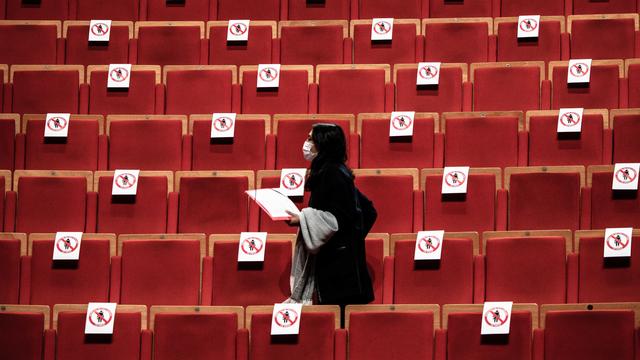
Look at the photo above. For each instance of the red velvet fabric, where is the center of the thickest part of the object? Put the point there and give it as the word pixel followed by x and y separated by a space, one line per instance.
pixel 611 209
pixel 169 45
pixel 456 42
pixel 140 98
pixel 400 50
pixel 291 97
pixel 83 281
pixel 2 200
pixel 161 10
pixel 50 204
pixel 539 201
pixel 79 152
pixel 7 142
pixel 449 283
pixel 383 335
pixel 602 92
pixel 10 268
pixel 238 285
pixel 249 9
pixel 125 10
pixel 547 147
pixel 147 215
pixel 481 141
pixel 475 212
pixel 41 10
pixel 133 144
pixel 247 151
pixel 351 91
pixel 213 205
pixel 375 257
pixel 626 132
pixel 315 341
pixel 581 7
pixel 465 342
pixel 22 336
pixel 28 44
pixel 602 39
pixel 495 88
pixel 392 196
pixel 547 47
pixel 447 96
pixel 634 85
pixel 399 9
pixel 196 336
pixel 299 45
pixel 73 344
pixel 542 7
pixel 257 50
pixel 325 10
pixel 198 91
pixel 279 227
pixel 79 51
pixel 600 281
pixel 452 9
pixel 44 91
pixel 589 335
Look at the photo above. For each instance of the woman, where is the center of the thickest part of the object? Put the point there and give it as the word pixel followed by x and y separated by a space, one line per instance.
pixel 330 252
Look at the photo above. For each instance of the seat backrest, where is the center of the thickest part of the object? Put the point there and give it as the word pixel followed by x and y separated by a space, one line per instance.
pixel 401 9
pixel 271 179
pixel 9 128
pixel 402 49
pixel 542 7
pixel 249 9
pixel 447 9
pixel 632 73
pixel 291 97
pixel 352 89
pixel 140 98
pixel 160 10
pixel 29 42
pixel 117 10
pixel 199 89
pixel 41 10
pixel 590 32
pixel 494 84
pixel 258 49
pixel 604 7
pixel 12 247
pixel 547 47
pixel 169 43
pixel 326 10
pixel 22 328
pixel 447 96
pixel 79 51
pixel 377 248
pixel 601 93
pixel 611 208
pixel 626 127
pixel 41 89
pixel 457 40
pixel 299 42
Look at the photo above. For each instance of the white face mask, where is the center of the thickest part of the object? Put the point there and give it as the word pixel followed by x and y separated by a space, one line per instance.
pixel 307 152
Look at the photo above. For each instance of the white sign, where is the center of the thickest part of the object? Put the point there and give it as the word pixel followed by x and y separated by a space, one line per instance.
pixel 252 246
pixel 56 125
pixel 238 30
pixel 617 242
pixel 285 319
pixel 429 245
pixel 292 181
pixel 579 71
pixel 66 246
pixel 382 29
pixel 496 318
pixel 268 76
pixel 223 125
pixel 625 176
pixel 401 123
pixel 119 76
pixel 528 26
pixel 455 179
pixel 100 30
pixel 428 73
pixel 125 182
pixel 100 318
pixel 570 120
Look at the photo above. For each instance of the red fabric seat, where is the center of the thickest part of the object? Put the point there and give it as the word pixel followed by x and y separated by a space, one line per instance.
pixel 604 7
pixel 494 84
pixel 632 73
pixel 170 43
pixel 259 49
pixel 325 10
pixel 22 328
pixel 547 47
pixel 79 51
pixel 41 10
pixel 377 249
pixel 161 10
pixel 271 179
pixel 446 97
pixel 602 92
pixel 543 7
pixel 610 208
pixel 590 32
pixel 12 247
pixel 452 9
pixel 399 9
pixel 144 95
pixel 39 89
pixel 9 127
pixel 249 9
pixel 291 97
pixel 23 42
pixel 299 42
pixel 460 41
pixel 402 49
pixel 200 89
pixel 117 10
pixel 352 89
pixel 626 128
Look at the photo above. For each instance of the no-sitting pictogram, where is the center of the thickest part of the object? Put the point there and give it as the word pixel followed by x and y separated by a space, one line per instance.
pixel 252 245
pixel 570 119
pixel 382 27
pixel 401 122
pixel 100 317
pixel 125 180
pixel 56 123
pixel 67 244
pixel 119 74
pixel 617 241
pixel 100 29
pixel 292 181
pixel 496 317
pixel 429 244
pixel 428 72
pixel 528 25
pixel 579 69
pixel 238 29
pixel 286 317
pixel 455 178
pixel 626 175
pixel 223 124
pixel 268 74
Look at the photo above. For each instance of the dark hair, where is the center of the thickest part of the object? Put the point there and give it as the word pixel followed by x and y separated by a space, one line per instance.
pixel 331 145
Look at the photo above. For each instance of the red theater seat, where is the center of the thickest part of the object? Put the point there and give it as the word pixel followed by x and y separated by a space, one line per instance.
pixel 9 128
pixel 603 92
pixel 299 42
pixel 626 128
pixel 293 96
pixel 454 9
pixel 5 186
pixel 23 329
pixel 41 89
pixel 354 89
pixel 170 43
pixel 377 249
pixel 406 46
pixel 271 179
pixel 249 9
pixel 548 46
pixel 459 40
pixel 201 89
pixel 509 86
pixel 82 52
pixel 162 10
pixel 401 9
pixel 145 94
pixel 542 7
pixel 29 42
pixel 12 247
pixel 632 73
pixel 609 208
pixel 604 7
pixel 324 10
pixel 40 10
pixel 453 93
pixel 259 49
pixel 118 10
pixel 603 36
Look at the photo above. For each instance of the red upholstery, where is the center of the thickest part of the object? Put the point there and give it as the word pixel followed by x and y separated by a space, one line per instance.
pixel 140 98
pixel 464 42
pixel 147 215
pixel 481 141
pixel 41 10
pixel 46 91
pixel 22 335
pixel 50 204
pixel 242 286
pixel 198 91
pixel 2 198
pixel 178 11
pixel 589 335
pixel 299 44
pixel 633 75
pixel 465 342
pixel 133 144
pixel 352 91
pixel 10 268
pixel 493 87
pixel 603 7
pixel 602 92
pixel 325 10
pixel 160 272
pixel 383 335
pixel 279 227
pixel 626 148
pixel 7 142
pixel 602 38
pixel 447 96
pixel 400 9
pixel 548 46
pixel 86 281
pixel 610 209
pixel 402 49
pixel 257 50
pixel 375 249
pixel 114 10
pixel 546 147
pixel 544 201
pixel 291 97
pixel 449 283
pixel 168 44
pixel 79 51
pixel 542 7
pixel 393 197
pixel 28 44
pixel 452 9
pixel 213 205
pixel 249 9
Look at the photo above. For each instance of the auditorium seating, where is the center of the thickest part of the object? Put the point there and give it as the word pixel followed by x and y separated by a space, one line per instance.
pixel 625 125
pixel 4 76
pixel 161 10
pixel 354 89
pixel 453 93
pixel 448 9
pixel 551 44
pixel 544 7
pixel 30 42
pixel 170 43
pixel 459 40
pixel 118 10
pixel 79 51
pixel 5 186
pixel 271 179
pixel 367 9
pixel 24 328
pixel 249 9
pixel 9 128
pixel 41 10
pixel 603 36
pixel 260 48
pixel 405 47
pixel 41 89
pixel 299 42
pixel 605 7
pixel 292 96
pixel 607 208
pixel 201 89
pixel 12 247
pixel 325 10
pixel 632 73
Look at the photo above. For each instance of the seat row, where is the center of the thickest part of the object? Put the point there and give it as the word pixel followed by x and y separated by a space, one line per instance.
pixel 553 332
pixel 543 267
pixel 292 42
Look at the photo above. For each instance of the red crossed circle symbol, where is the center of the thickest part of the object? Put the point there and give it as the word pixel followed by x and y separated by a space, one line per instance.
pixel 401 122
pixel 496 317
pixel 382 27
pixel 626 175
pixel 528 25
pixel 268 74
pixel 238 29
pixel 292 181
pixel 429 244
pixel 617 241
pixel 119 74
pixel 223 123
pixel 579 69
pixel 100 317
pixel 125 180
pixel 428 72
pixel 99 29
pixel 67 244
pixel 570 119
pixel 455 178
pixel 286 317
pixel 56 123
pixel 251 245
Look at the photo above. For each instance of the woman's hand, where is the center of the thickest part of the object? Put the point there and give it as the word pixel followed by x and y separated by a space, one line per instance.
pixel 294 220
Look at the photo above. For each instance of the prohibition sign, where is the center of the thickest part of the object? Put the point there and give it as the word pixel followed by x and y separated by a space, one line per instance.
pixel 56 123
pixel 237 29
pixel 528 25
pixel 428 72
pixel 119 74
pixel 570 119
pixel 455 179
pixel 382 27
pixel 617 241
pixel 401 122
pixel 67 244
pixel 496 317
pixel 100 29
pixel 579 69
pixel 429 244
pixel 100 317
pixel 292 181
pixel 286 318
pixel 125 181
pixel 268 74
pixel 251 246
pixel 626 175
pixel 223 124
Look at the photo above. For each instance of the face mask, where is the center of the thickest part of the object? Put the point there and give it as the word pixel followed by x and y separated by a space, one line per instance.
pixel 308 154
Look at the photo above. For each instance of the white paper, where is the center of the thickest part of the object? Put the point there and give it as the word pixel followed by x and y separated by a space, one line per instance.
pixel 238 30
pixel 429 245
pixel 381 29
pixel 125 182
pixel 252 246
pixel 617 242
pixel 268 76
pixel 100 318
pixel 66 246
pixel 579 71
pixel 119 76
pixel 496 318
pixel 292 181
pixel 223 125
pixel 285 319
pixel 570 120
pixel 455 180
pixel 56 125
pixel 428 73
pixel 528 26
pixel 274 203
pixel 100 30
pixel 625 176
pixel 401 123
